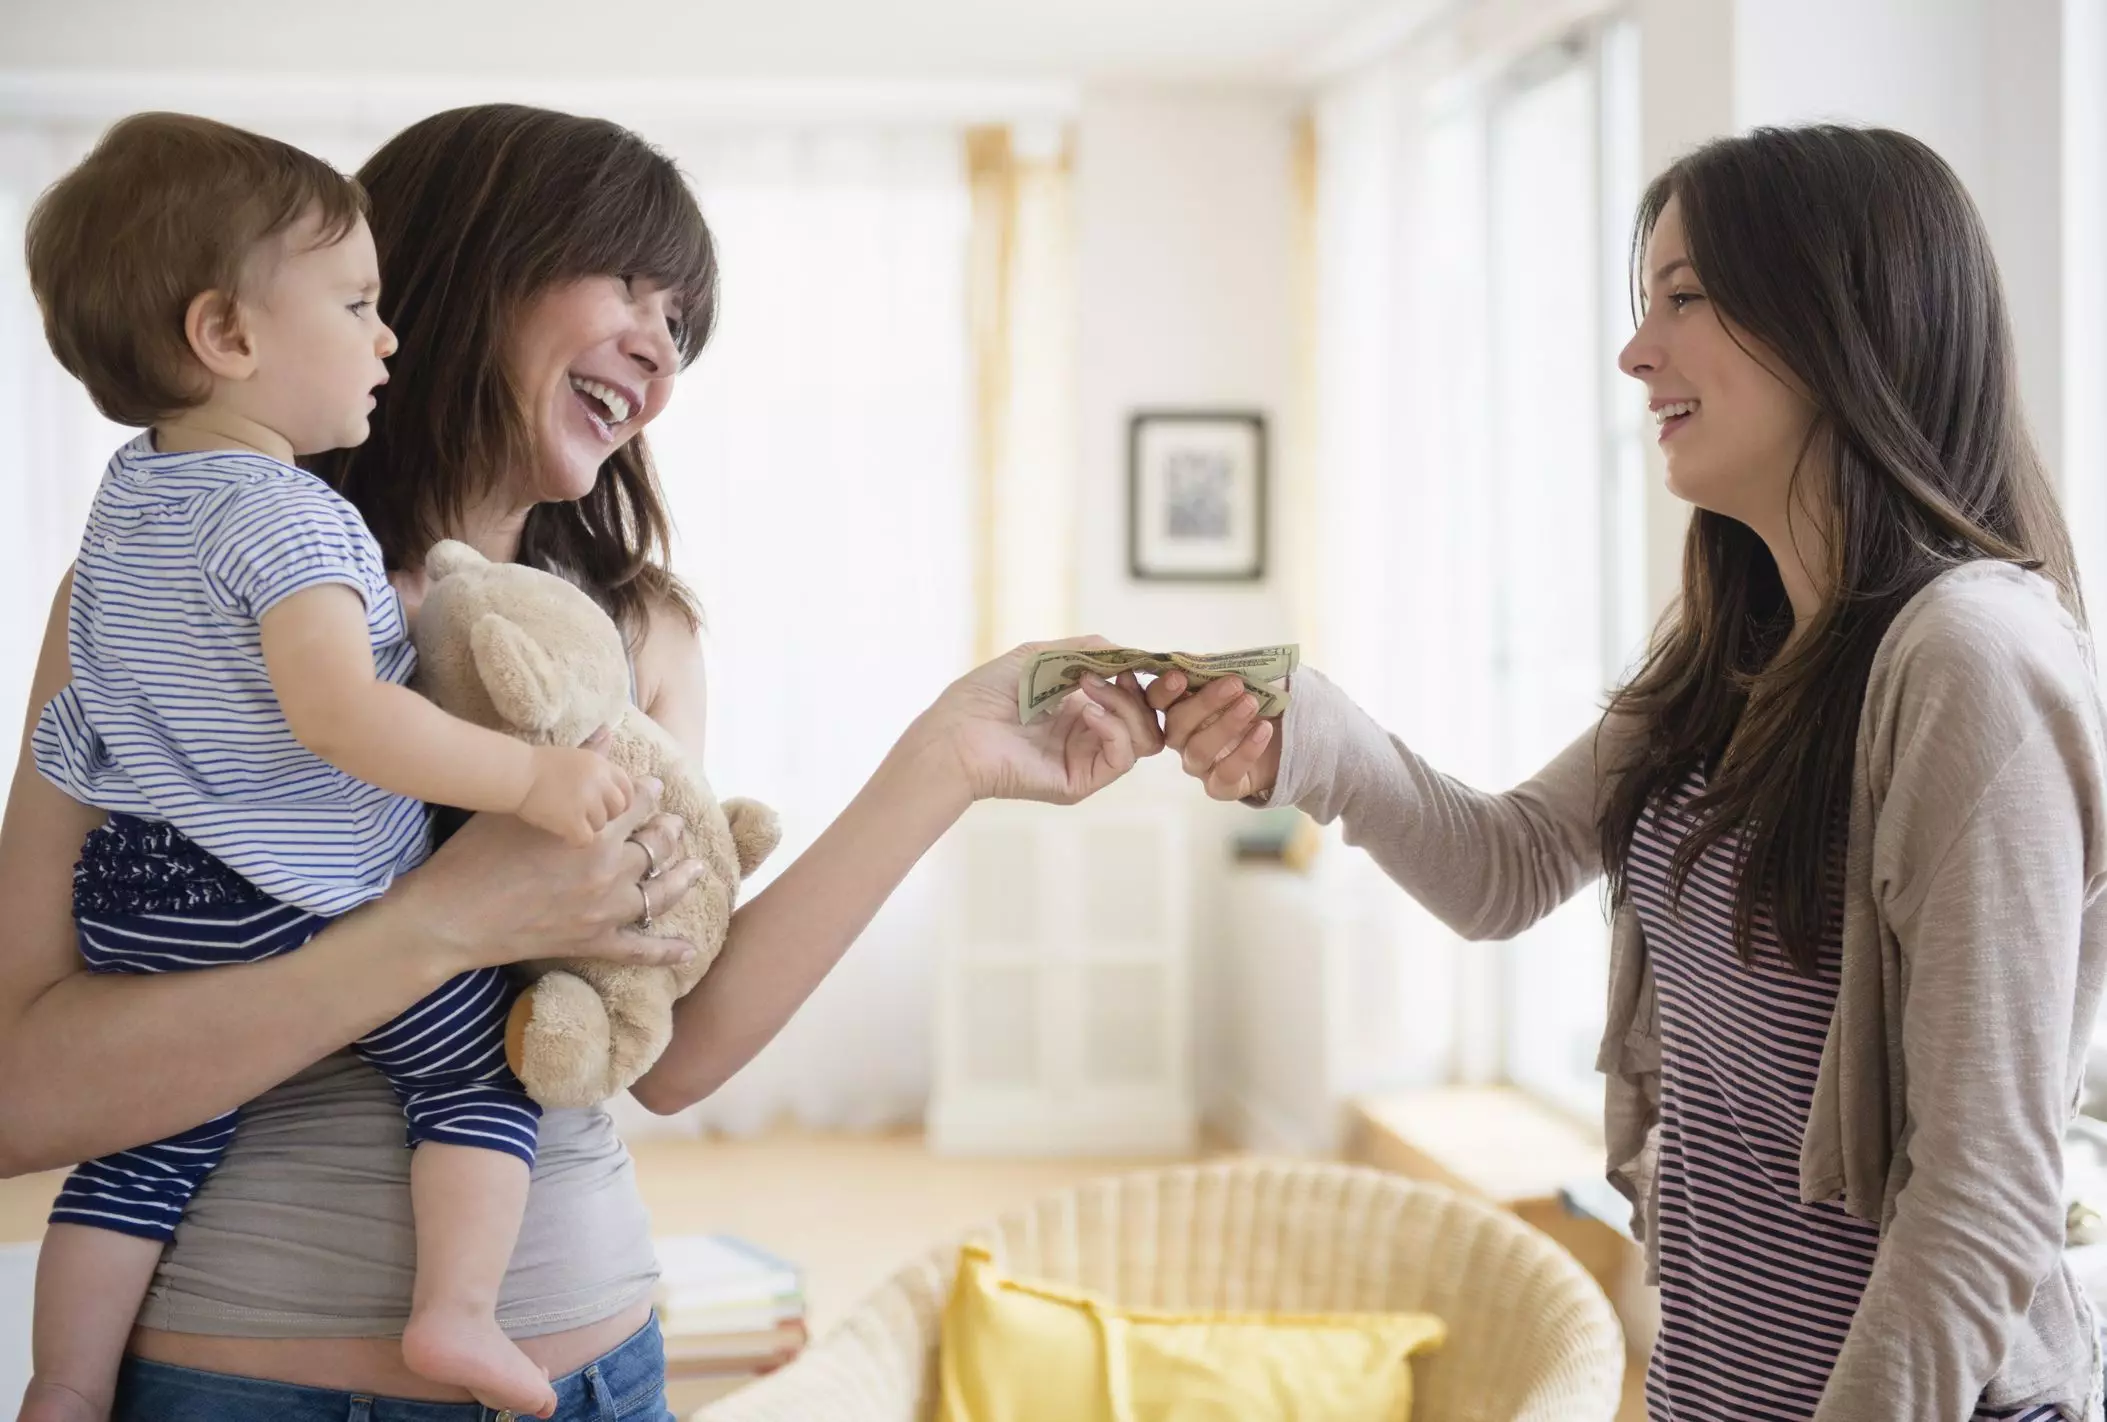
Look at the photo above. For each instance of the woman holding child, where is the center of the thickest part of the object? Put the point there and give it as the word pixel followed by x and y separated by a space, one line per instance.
pixel 540 282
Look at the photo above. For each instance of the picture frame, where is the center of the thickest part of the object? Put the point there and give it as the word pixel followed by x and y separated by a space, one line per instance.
pixel 1196 496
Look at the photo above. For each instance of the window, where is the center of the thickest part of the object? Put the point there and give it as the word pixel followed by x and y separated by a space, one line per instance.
pixel 1528 185
pixel 53 444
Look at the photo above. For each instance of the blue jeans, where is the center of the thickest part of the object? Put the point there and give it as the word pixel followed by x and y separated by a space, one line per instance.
pixel 626 1385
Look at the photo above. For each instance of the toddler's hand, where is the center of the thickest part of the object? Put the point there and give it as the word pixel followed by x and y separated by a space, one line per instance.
pixel 574 794
pixel 1218 735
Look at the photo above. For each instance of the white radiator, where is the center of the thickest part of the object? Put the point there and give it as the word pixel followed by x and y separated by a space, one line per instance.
pixel 1064 983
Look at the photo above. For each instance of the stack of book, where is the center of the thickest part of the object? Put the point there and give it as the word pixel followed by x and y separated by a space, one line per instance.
pixel 730 1311
pixel 1282 836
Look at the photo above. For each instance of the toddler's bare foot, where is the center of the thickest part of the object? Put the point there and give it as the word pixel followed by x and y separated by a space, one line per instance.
pixel 50 1402
pixel 465 1347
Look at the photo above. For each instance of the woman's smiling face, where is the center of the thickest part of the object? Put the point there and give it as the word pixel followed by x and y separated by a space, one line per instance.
pixel 594 360
pixel 1733 427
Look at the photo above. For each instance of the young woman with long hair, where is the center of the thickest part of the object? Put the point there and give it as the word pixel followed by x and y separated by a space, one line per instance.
pixel 1849 810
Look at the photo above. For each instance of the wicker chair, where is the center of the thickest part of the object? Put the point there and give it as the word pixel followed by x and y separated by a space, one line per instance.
pixel 1530 1335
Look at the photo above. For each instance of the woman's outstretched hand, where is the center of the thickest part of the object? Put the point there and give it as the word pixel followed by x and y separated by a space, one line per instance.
pixel 1218 735
pixel 1087 742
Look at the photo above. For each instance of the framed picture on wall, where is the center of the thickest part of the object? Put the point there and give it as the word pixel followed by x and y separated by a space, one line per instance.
pixel 1196 496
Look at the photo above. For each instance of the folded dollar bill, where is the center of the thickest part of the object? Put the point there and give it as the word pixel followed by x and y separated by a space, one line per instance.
pixel 1053 674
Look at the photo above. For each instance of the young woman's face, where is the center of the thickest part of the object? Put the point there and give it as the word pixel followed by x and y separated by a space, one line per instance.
pixel 594 361
pixel 1733 422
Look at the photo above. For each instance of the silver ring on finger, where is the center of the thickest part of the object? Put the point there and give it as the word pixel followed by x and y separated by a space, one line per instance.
pixel 643 923
pixel 650 858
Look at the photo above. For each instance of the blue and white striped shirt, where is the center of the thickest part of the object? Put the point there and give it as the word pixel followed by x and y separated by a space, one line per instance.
pixel 171 715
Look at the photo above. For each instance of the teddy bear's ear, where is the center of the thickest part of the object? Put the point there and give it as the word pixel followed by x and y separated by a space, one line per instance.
pixel 449 557
pixel 523 680
pixel 755 832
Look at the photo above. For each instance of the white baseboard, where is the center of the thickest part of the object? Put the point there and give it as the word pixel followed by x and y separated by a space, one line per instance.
pixel 999 1129
pixel 1264 1130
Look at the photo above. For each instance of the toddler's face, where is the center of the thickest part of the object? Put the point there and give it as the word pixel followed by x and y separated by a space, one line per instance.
pixel 318 340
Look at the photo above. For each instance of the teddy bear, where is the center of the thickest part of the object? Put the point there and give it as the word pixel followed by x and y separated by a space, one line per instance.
pixel 523 651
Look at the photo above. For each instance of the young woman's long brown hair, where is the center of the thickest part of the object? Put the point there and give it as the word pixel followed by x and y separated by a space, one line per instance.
pixel 475 212
pixel 1855 257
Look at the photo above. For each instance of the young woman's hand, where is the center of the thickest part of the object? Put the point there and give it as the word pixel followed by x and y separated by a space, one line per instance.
pixel 1218 735
pixel 1085 744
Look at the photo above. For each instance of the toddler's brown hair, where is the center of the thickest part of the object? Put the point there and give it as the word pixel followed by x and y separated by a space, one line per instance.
pixel 166 207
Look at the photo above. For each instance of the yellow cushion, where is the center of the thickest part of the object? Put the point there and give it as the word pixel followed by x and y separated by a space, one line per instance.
pixel 1018 1351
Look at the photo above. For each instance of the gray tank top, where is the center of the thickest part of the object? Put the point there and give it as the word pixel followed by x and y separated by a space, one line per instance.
pixel 304 1230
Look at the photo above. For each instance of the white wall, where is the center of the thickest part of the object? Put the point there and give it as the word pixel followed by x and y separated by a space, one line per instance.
pixel 1686 57
pixel 1978 80
pixel 2085 287
pixel 1183 206
pixel 1914 64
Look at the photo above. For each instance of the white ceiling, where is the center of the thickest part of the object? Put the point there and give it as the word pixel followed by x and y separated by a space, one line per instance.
pixel 1182 41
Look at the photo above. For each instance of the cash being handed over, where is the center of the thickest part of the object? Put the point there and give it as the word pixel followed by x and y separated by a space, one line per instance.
pixel 1053 674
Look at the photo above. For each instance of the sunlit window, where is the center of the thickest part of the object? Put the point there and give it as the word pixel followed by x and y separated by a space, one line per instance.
pixel 1528 188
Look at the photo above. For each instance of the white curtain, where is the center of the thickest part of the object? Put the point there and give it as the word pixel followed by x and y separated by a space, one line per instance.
pixel 1469 272
pixel 817 462
pixel 1398 598
pixel 53 444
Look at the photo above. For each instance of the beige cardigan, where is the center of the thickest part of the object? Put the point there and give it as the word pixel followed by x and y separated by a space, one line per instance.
pixel 1975 941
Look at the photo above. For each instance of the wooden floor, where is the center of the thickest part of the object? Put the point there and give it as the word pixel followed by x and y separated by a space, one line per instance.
pixel 847 1209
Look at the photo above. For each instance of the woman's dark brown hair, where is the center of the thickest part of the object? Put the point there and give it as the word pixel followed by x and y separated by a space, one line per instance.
pixel 475 212
pixel 1855 258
